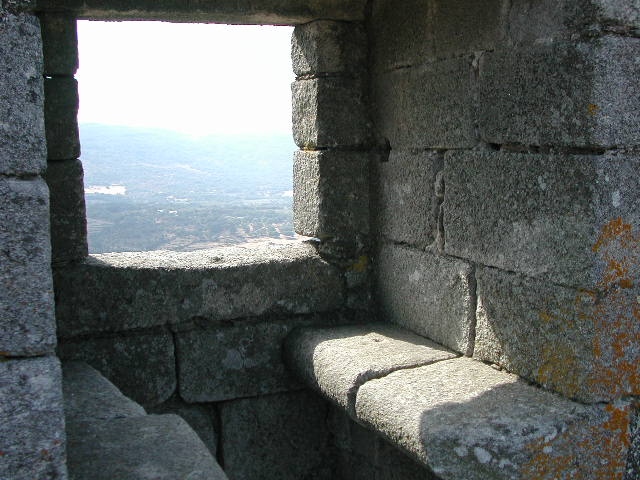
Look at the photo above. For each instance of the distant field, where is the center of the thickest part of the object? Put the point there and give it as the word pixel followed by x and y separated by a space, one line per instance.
pixel 154 189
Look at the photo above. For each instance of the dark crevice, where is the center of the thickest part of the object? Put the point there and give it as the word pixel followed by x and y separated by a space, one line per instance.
pixel 219 431
pixel 174 339
pixel 473 307
pixel 431 61
pixel 361 380
pixel 20 176
pixel 541 278
pixel 6 356
pixel 329 75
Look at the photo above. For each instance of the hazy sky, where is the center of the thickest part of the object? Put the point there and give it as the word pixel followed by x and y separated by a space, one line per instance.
pixel 192 78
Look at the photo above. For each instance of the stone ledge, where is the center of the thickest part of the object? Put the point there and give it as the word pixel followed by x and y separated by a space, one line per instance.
pixel 124 291
pixel 110 436
pixel 465 420
pixel 337 361
pixel 274 12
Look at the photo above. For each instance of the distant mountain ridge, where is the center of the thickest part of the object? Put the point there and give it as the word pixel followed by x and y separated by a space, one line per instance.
pixel 184 192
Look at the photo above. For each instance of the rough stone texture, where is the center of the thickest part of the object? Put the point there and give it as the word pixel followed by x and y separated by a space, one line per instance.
pixel 61 118
pixel 336 361
pixel 557 20
pixel 142 365
pixel 88 396
pixel 331 194
pixel 274 12
pixel 430 106
pixel 22 134
pixel 362 455
pixel 326 47
pixel 431 29
pixel 27 324
pixel 409 203
pixel 158 447
pixel 432 295
pixel 18 6
pixel 393 464
pixel 199 417
pixel 156 288
pixel 619 12
pixel 286 436
pixel 68 214
pixel 573 94
pixel 60 44
pixel 466 420
pixel 235 361
pixel 580 343
pixel 32 439
pixel 329 112
pixel 633 460
pixel 541 215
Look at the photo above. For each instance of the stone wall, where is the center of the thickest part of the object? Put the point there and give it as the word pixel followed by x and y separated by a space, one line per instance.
pixel 469 172
pixel 32 440
pixel 508 224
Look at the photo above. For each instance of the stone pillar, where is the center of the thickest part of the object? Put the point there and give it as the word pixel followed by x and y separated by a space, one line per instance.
pixel 64 173
pixel 32 440
pixel 331 127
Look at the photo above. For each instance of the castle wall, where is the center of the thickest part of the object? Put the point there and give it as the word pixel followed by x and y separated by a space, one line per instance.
pixel 469 169
pixel 508 220
pixel 32 440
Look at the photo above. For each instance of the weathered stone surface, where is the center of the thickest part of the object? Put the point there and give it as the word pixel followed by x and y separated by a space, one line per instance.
pixel 18 5
pixel 466 420
pixel 162 447
pixel 558 20
pixel 331 194
pixel 329 112
pixel 199 417
pixel 393 464
pixel 336 361
pixel 363 455
pixel 60 44
pixel 580 343
pixel 428 294
pixel 68 214
pixel 573 94
pixel 156 288
pixel 541 215
pixel 286 435
pixel 274 12
pixel 142 365
pixel 423 31
pixel 88 396
pixel 430 106
pixel 22 135
pixel 328 47
pixel 235 361
pixel 409 204
pixel 32 439
pixel 619 12
pixel 61 118
pixel 633 459
pixel 27 324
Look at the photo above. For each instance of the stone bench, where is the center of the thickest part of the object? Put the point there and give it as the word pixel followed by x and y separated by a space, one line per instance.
pixel 460 418
pixel 111 437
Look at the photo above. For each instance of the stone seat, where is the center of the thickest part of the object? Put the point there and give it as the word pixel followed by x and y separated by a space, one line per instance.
pixel 460 418
pixel 111 437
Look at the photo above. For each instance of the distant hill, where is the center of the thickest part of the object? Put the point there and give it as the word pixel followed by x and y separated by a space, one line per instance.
pixel 149 189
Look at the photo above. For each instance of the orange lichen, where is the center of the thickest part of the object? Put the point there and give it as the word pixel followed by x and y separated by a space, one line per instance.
pixel 361 265
pixel 592 108
pixel 616 317
pixel 559 362
pixel 594 452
